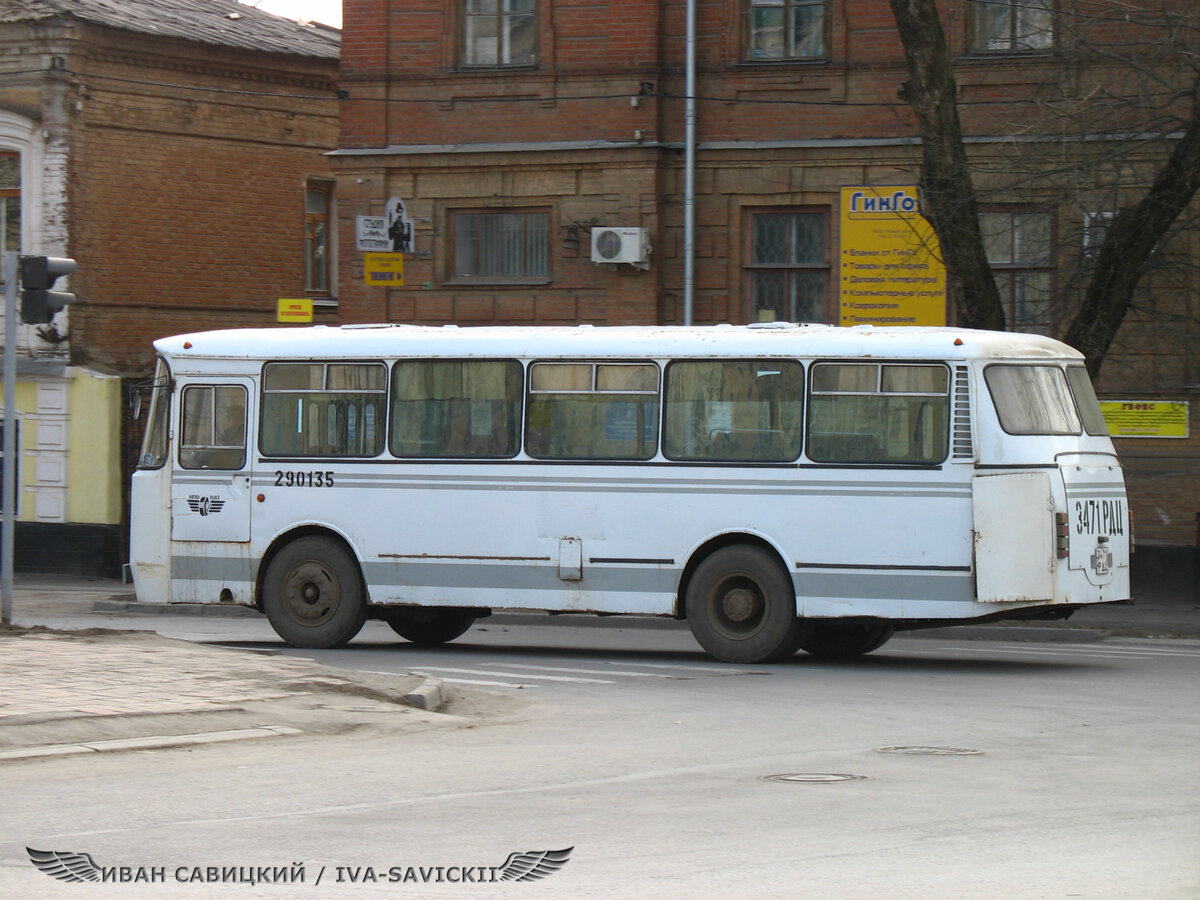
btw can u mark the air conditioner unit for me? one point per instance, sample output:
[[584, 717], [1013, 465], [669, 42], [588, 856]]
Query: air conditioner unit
[[621, 245]]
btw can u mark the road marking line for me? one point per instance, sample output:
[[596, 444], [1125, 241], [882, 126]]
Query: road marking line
[[1056, 650], [563, 678], [621, 672], [724, 670], [480, 683]]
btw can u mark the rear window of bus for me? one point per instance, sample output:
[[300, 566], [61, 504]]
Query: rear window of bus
[[1032, 399]]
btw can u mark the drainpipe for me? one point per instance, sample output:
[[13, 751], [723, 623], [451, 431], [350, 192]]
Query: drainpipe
[[689, 177]]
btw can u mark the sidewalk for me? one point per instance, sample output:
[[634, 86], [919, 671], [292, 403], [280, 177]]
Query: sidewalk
[[95, 690]]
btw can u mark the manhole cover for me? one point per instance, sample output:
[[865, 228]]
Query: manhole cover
[[813, 778], [931, 751]]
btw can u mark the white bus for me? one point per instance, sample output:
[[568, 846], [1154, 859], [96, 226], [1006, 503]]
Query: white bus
[[780, 486]]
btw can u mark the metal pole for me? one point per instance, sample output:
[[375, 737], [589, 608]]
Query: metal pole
[[10, 436], [689, 176]]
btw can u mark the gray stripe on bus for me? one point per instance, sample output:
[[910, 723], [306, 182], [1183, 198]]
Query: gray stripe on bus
[[650, 579]]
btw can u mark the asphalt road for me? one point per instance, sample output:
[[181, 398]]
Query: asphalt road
[[933, 768]]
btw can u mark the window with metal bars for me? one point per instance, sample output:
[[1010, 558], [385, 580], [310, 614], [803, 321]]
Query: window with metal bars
[[788, 266]]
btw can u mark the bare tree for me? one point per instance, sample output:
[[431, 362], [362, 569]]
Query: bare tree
[[1120, 112], [947, 192]]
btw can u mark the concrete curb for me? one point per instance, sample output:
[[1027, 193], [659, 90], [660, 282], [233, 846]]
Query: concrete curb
[[129, 606], [151, 742], [429, 696]]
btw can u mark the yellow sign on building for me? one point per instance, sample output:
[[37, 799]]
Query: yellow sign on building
[[890, 263], [1146, 418], [295, 312], [383, 269]]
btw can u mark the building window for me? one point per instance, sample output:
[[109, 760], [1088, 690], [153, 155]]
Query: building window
[[499, 32], [1005, 26], [785, 29], [10, 202], [316, 237], [501, 246], [789, 266], [1018, 248]]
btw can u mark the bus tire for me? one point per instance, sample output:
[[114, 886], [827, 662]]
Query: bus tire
[[313, 594], [430, 627], [741, 606], [841, 640]]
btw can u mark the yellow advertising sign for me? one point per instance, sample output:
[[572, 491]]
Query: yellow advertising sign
[[383, 269], [1146, 418], [891, 268], [295, 312]]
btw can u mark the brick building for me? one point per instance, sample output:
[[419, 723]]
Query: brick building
[[174, 148], [511, 131]]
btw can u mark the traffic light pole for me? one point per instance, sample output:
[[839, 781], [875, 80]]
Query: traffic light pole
[[10, 436]]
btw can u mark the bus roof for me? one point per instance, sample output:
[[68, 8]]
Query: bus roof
[[591, 342]]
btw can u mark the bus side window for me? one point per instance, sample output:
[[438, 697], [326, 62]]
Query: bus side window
[[746, 410], [323, 409], [873, 412], [214, 427], [585, 410], [455, 409]]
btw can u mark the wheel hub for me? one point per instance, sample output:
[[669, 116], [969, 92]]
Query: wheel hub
[[739, 604], [311, 594]]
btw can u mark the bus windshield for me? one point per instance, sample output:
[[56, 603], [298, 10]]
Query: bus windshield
[[154, 442]]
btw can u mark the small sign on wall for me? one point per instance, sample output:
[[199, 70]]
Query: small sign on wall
[[295, 312], [372, 234], [383, 269], [1146, 418]]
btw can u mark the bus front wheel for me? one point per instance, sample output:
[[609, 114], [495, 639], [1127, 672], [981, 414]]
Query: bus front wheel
[[430, 627], [741, 607], [313, 594], [841, 640]]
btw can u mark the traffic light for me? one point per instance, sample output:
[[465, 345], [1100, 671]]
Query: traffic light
[[38, 274]]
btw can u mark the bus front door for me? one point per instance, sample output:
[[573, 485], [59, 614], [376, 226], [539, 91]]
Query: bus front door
[[211, 494]]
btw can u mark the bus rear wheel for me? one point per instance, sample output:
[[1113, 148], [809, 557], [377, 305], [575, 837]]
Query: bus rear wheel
[[741, 607], [430, 627], [313, 594], [841, 640]]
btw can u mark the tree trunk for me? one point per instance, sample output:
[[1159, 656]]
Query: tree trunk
[[1131, 239], [948, 195]]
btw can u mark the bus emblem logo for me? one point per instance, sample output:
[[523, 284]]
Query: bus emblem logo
[[205, 505]]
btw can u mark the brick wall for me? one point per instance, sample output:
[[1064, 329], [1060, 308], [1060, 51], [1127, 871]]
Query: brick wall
[[771, 135], [187, 189]]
